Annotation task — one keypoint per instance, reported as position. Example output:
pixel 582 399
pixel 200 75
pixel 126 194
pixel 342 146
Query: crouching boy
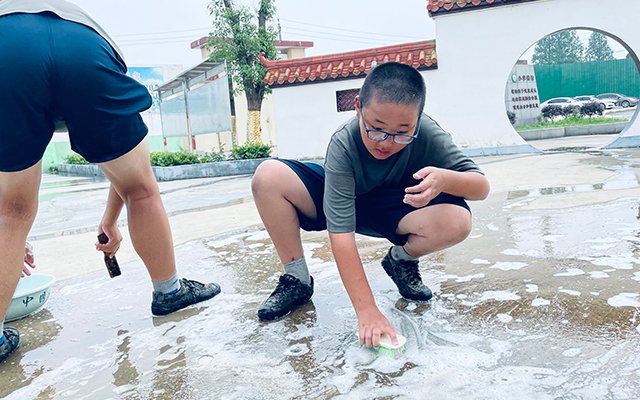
pixel 390 172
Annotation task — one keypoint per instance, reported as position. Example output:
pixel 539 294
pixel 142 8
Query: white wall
pixel 477 49
pixel 306 116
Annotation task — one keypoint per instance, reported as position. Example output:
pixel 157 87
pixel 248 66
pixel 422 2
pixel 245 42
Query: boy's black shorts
pixel 378 212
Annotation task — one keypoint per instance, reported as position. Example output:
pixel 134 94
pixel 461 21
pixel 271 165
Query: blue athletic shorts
pixel 52 69
pixel 378 212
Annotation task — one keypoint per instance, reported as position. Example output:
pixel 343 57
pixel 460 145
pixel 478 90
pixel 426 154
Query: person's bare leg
pixel 434 228
pixel 18 207
pixel 133 179
pixel 278 192
pixel 430 229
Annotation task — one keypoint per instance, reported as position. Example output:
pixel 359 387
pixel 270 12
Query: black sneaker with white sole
pixel 406 276
pixel 190 292
pixel 290 294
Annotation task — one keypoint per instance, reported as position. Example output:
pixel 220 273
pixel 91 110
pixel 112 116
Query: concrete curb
pixel 499 151
pixel 190 171
pixel 88 170
pixel 206 170
pixel 550 133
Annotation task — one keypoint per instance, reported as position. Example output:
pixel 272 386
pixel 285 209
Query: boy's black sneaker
pixel 190 292
pixel 288 295
pixel 11 342
pixel 406 276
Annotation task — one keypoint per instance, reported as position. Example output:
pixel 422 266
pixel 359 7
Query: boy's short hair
pixel 394 83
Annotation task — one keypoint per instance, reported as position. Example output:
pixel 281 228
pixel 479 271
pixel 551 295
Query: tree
pixel 563 47
pixel 598 48
pixel 239 35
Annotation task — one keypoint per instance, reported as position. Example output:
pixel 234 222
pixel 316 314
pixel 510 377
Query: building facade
pixel 478 44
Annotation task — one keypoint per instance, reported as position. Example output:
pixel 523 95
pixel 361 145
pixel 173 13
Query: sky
pixel 152 32
pixel 156 32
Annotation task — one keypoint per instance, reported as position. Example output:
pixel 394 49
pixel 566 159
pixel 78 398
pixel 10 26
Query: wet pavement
pixel 542 301
pixel 61 199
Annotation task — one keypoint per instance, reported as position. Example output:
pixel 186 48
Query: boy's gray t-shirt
pixel 350 170
pixel 61 8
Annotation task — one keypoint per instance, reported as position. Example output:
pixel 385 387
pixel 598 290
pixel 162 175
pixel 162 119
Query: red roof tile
pixel 355 64
pixel 437 7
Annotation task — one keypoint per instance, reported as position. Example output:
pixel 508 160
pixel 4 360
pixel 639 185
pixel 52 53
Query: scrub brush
pixel 389 349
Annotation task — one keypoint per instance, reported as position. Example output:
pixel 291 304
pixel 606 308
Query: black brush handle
pixel 112 264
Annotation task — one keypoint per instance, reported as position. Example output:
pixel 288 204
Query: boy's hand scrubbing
pixel 389 349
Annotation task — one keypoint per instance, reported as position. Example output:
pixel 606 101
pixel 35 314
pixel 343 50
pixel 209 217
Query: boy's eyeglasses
pixel 379 135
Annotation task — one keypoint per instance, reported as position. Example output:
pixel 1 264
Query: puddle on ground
pixel 626 177
pixel 565 149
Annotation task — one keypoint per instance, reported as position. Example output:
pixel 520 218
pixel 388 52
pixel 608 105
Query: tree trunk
pixel 256 94
pixel 254 104
pixel 254 131
pixel 232 104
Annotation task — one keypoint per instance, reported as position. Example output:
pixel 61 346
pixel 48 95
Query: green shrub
pixel 570 112
pixel 168 159
pixel 183 158
pixel 211 157
pixel 590 109
pixel 75 158
pixel 250 151
pixel 571 121
pixel 160 159
pixel 550 111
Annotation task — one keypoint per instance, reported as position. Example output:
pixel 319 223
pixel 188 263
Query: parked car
pixel 562 102
pixel 604 103
pixel 620 99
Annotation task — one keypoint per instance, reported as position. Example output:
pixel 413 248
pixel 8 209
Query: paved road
pixel 540 302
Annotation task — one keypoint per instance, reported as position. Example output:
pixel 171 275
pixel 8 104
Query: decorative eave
pixel 439 7
pixel 356 64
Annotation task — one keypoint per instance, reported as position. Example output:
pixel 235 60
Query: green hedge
pixel 250 151
pixel 75 159
pixel 570 121
pixel 166 159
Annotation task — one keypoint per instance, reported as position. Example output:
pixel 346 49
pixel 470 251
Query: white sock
pixel 398 253
pixel 298 268
pixel 167 286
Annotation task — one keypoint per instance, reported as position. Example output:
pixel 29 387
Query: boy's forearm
pixel 113 208
pixel 469 185
pixel 351 271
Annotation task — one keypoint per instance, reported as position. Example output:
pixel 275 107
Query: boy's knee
pixel 454 226
pixel 18 208
pixel 266 176
pixel 139 192
pixel 458 225
pixel 462 227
